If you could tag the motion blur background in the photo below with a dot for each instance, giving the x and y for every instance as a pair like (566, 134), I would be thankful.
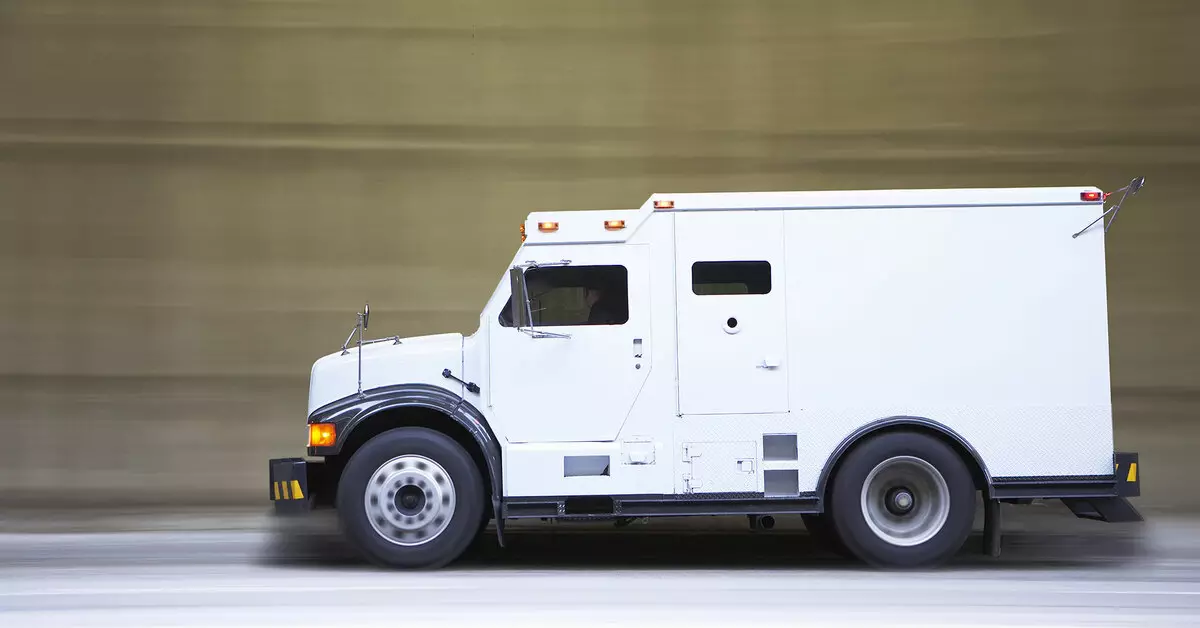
(196, 197)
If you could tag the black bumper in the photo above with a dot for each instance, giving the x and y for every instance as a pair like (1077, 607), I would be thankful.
(296, 485)
(1113, 508)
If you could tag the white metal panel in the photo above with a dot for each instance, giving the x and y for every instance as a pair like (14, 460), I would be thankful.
(579, 388)
(991, 321)
(720, 467)
(536, 469)
(743, 368)
(947, 307)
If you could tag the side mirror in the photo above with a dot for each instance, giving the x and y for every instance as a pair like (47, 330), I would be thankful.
(520, 314)
(366, 314)
(1136, 185)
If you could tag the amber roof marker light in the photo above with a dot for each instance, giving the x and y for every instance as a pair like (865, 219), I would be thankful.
(662, 204)
(548, 226)
(614, 225)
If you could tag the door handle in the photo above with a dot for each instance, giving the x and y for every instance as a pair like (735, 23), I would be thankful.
(769, 363)
(637, 347)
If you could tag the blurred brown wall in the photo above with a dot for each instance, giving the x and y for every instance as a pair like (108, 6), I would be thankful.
(195, 197)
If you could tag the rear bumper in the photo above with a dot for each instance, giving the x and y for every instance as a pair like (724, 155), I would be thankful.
(296, 485)
(1113, 508)
(1099, 497)
(1127, 474)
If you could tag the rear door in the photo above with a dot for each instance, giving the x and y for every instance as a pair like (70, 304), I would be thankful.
(731, 312)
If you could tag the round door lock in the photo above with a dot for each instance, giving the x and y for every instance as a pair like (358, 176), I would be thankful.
(731, 325)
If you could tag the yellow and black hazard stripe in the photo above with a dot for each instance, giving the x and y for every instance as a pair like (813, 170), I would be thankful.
(1127, 474)
(287, 490)
(289, 480)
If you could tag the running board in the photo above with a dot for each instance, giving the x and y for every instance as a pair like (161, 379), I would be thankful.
(637, 506)
(1107, 509)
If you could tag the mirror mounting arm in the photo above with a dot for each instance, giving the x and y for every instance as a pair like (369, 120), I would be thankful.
(362, 324)
(521, 311)
(1129, 190)
(537, 333)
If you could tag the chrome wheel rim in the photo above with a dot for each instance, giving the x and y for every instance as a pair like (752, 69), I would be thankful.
(409, 500)
(905, 501)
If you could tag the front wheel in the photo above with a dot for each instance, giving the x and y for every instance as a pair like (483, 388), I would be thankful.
(903, 499)
(410, 497)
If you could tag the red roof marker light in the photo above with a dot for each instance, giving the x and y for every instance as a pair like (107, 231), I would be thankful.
(1091, 196)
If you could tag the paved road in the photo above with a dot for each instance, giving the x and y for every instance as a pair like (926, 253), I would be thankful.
(656, 576)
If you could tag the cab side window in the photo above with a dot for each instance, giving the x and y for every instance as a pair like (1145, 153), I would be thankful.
(568, 296)
(717, 278)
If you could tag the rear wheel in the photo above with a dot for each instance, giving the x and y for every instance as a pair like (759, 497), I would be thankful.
(903, 499)
(410, 497)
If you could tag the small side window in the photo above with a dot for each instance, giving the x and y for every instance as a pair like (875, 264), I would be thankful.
(716, 278)
(568, 296)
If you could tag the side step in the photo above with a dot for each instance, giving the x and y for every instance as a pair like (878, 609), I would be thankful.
(638, 506)
(1108, 509)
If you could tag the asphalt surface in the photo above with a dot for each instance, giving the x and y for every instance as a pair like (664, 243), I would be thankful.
(1067, 573)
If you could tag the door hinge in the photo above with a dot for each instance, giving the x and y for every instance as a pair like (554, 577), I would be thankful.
(690, 482)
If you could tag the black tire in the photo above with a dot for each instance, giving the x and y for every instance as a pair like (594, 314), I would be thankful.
(846, 509)
(467, 483)
(481, 532)
(821, 530)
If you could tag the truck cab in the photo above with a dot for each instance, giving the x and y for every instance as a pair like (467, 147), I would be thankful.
(871, 361)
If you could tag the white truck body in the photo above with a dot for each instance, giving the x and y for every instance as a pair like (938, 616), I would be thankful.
(973, 310)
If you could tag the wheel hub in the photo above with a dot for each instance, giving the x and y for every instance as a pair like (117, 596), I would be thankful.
(409, 500)
(905, 501)
(900, 501)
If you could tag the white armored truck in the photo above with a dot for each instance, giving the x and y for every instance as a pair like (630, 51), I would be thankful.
(875, 362)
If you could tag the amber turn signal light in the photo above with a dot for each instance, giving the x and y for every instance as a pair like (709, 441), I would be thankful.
(321, 435)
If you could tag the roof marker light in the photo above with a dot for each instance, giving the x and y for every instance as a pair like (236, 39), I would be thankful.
(1091, 196)
(614, 225)
(664, 204)
(522, 232)
(548, 226)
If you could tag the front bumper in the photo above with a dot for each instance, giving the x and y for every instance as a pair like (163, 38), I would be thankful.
(296, 485)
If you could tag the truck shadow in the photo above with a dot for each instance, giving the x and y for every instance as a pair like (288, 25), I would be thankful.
(727, 550)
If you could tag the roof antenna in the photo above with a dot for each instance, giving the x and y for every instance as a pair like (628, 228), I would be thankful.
(1129, 190)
